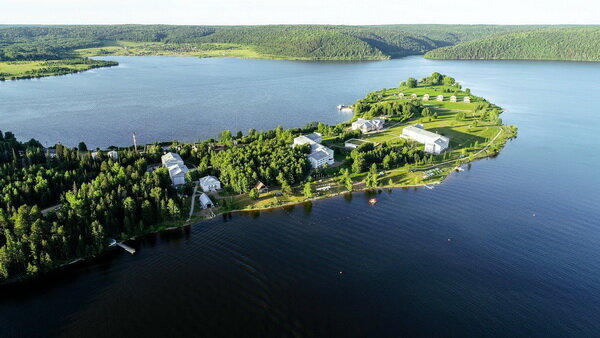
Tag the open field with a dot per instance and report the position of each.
(12, 70)
(128, 48)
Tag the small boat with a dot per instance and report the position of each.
(372, 201)
(460, 169)
(112, 242)
(344, 108)
(428, 186)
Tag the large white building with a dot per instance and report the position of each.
(210, 183)
(308, 139)
(366, 126)
(320, 155)
(177, 169)
(434, 143)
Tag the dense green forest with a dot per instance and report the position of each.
(297, 41)
(58, 204)
(97, 198)
(574, 43)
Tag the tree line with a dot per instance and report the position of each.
(572, 43)
(293, 41)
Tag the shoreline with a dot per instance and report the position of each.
(183, 223)
(62, 67)
(73, 264)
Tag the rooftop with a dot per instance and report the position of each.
(419, 130)
(319, 155)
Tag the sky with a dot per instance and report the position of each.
(260, 12)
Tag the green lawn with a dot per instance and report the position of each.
(29, 69)
(223, 50)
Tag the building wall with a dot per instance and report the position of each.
(178, 179)
(350, 145)
(211, 187)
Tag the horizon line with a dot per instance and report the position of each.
(300, 24)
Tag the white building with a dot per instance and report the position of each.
(354, 143)
(320, 155)
(366, 126)
(113, 155)
(177, 169)
(440, 98)
(308, 139)
(205, 201)
(467, 99)
(434, 143)
(171, 158)
(177, 173)
(426, 97)
(210, 183)
(95, 155)
(452, 98)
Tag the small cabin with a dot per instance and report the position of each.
(401, 95)
(467, 99)
(440, 98)
(261, 187)
(413, 96)
(113, 155)
(426, 97)
(452, 98)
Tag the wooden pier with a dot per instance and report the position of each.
(126, 248)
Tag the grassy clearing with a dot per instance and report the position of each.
(222, 50)
(13, 70)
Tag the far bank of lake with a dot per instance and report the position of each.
(277, 272)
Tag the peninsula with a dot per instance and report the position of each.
(60, 204)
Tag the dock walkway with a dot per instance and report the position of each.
(126, 248)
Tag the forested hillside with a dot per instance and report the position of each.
(282, 41)
(573, 43)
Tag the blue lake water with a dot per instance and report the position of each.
(506, 272)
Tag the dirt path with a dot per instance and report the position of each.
(193, 202)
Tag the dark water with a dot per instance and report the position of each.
(505, 272)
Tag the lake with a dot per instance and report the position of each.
(523, 256)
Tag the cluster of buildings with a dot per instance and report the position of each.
(366, 126)
(207, 184)
(177, 169)
(440, 98)
(320, 155)
(434, 143)
(466, 99)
